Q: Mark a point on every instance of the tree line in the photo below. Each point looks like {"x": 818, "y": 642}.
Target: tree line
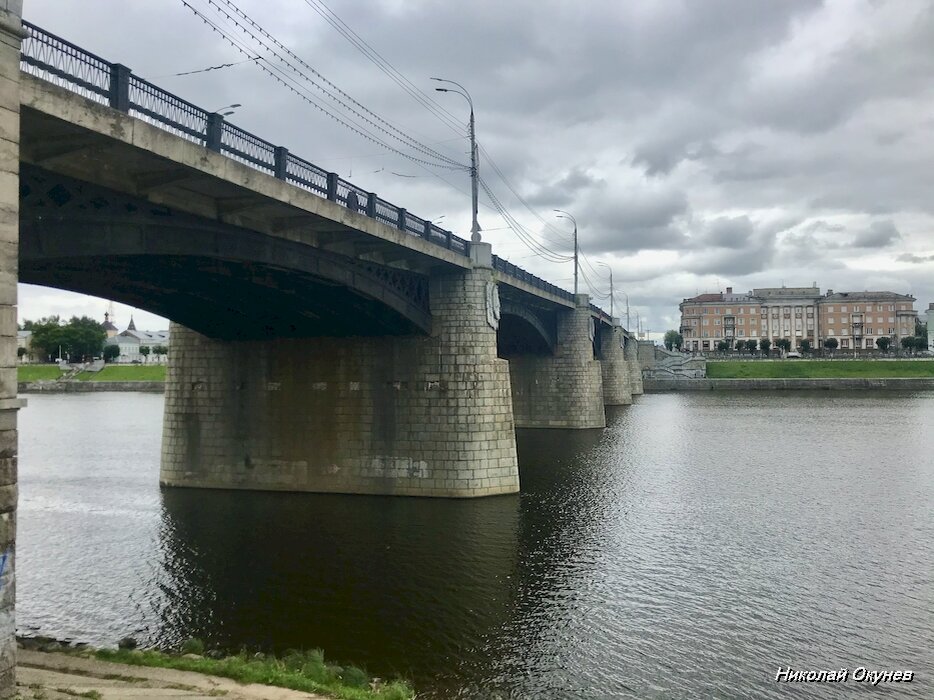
{"x": 78, "y": 340}
{"x": 912, "y": 343}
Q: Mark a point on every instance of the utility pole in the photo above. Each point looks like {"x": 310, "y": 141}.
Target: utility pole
{"x": 474, "y": 157}
{"x": 564, "y": 215}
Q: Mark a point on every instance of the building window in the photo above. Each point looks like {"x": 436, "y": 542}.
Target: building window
{"x": 717, "y": 322}
{"x": 830, "y": 309}
{"x": 843, "y": 309}
{"x": 844, "y": 343}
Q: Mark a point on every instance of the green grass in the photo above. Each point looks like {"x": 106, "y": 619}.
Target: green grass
{"x": 126, "y": 373}
{"x": 36, "y": 373}
{"x": 304, "y": 671}
{"x": 819, "y": 369}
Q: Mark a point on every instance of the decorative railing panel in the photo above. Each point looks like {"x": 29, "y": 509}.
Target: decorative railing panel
{"x": 248, "y": 149}
{"x": 152, "y": 104}
{"x": 60, "y": 62}
{"x": 306, "y": 175}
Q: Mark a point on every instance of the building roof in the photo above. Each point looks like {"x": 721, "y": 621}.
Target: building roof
{"x": 132, "y": 326}
{"x": 706, "y": 297}
{"x": 107, "y": 325}
{"x": 868, "y": 296}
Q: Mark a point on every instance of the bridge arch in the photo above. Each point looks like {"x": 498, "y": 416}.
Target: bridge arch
{"x": 220, "y": 280}
{"x": 523, "y": 332}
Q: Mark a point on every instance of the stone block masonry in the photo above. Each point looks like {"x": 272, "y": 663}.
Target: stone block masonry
{"x": 11, "y": 34}
{"x": 566, "y": 390}
{"x": 635, "y": 367}
{"x": 416, "y": 416}
{"x": 615, "y": 368}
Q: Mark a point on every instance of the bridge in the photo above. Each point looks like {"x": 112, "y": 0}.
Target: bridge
{"x": 323, "y": 339}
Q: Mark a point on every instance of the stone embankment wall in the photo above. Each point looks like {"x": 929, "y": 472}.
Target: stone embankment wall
{"x": 49, "y": 387}
{"x": 660, "y": 386}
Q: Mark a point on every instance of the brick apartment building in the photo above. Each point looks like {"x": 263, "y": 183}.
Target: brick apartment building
{"x": 855, "y": 319}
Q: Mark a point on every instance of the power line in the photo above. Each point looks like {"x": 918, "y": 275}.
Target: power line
{"x": 285, "y": 80}
{"x": 209, "y": 68}
{"x": 259, "y": 35}
{"x": 329, "y": 16}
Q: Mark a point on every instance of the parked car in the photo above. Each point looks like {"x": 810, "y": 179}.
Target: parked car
{"x": 793, "y": 355}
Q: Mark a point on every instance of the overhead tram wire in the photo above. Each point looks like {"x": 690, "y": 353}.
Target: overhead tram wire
{"x": 445, "y": 116}
{"x": 290, "y": 84}
{"x": 384, "y": 65}
{"x": 262, "y": 37}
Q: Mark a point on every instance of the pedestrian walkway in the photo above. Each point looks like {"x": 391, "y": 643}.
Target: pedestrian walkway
{"x": 50, "y": 676}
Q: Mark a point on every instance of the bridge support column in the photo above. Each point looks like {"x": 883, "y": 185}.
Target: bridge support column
{"x": 615, "y": 368}
{"x": 566, "y": 390}
{"x": 414, "y": 416}
{"x": 635, "y": 367}
{"x": 11, "y": 34}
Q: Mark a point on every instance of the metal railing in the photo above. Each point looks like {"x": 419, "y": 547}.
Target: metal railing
{"x": 62, "y": 63}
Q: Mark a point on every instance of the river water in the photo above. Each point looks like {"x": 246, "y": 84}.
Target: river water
{"x": 689, "y": 550}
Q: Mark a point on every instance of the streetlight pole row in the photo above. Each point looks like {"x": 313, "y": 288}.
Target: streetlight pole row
{"x": 564, "y": 215}
{"x": 474, "y": 160}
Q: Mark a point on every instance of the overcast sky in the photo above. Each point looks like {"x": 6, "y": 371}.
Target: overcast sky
{"x": 699, "y": 144}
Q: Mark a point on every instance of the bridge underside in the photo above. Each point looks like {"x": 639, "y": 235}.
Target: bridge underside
{"x": 220, "y": 280}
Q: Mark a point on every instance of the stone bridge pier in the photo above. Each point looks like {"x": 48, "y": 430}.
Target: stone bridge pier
{"x": 400, "y": 415}
{"x": 11, "y": 34}
{"x": 615, "y": 368}
{"x": 564, "y": 390}
{"x": 635, "y": 367}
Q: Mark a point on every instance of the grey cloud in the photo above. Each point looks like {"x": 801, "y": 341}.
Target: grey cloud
{"x": 563, "y": 191}
{"x": 912, "y": 258}
{"x": 878, "y": 235}
{"x": 635, "y": 220}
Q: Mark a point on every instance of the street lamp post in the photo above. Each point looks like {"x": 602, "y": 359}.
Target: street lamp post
{"x": 228, "y": 110}
{"x": 610, "y": 270}
{"x": 474, "y": 165}
{"x": 564, "y": 215}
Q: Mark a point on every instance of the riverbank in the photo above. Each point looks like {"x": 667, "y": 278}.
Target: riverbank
{"x": 79, "y": 387}
{"x": 661, "y": 386}
{"x": 819, "y": 369}
{"x": 47, "y": 670}
{"x": 110, "y": 373}
{"x": 55, "y": 676}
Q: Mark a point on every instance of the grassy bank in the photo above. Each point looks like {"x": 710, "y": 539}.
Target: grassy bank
{"x": 819, "y": 369}
{"x": 37, "y": 373}
{"x": 304, "y": 671}
{"x": 126, "y": 373}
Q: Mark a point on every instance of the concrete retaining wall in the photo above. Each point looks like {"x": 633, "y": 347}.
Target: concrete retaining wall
{"x": 88, "y": 387}
{"x": 660, "y": 386}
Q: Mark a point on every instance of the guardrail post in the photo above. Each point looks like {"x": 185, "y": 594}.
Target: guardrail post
{"x": 120, "y": 87}
{"x": 400, "y": 222}
{"x": 215, "y": 131}
{"x": 447, "y": 237}
{"x": 426, "y": 233}
{"x": 281, "y": 161}
{"x": 332, "y": 186}
{"x": 371, "y": 205}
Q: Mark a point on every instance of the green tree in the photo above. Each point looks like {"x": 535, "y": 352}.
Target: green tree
{"x": 751, "y": 345}
{"x": 673, "y": 339}
{"x": 47, "y": 337}
{"x": 144, "y": 350}
{"x": 921, "y": 343}
{"x": 111, "y": 352}
{"x": 764, "y": 345}
{"x": 78, "y": 339}
{"x": 723, "y": 346}
{"x": 883, "y": 343}
{"x": 21, "y": 352}
{"x": 783, "y": 344}
{"x": 908, "y": 343}
{"x": 805, "y": 345}
{"x": 831, "y": 344}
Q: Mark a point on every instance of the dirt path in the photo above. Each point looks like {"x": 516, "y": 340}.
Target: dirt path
{"x": 50, "y": 676}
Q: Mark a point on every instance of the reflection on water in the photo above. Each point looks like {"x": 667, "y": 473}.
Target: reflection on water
{"x": 690, "y": 549}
